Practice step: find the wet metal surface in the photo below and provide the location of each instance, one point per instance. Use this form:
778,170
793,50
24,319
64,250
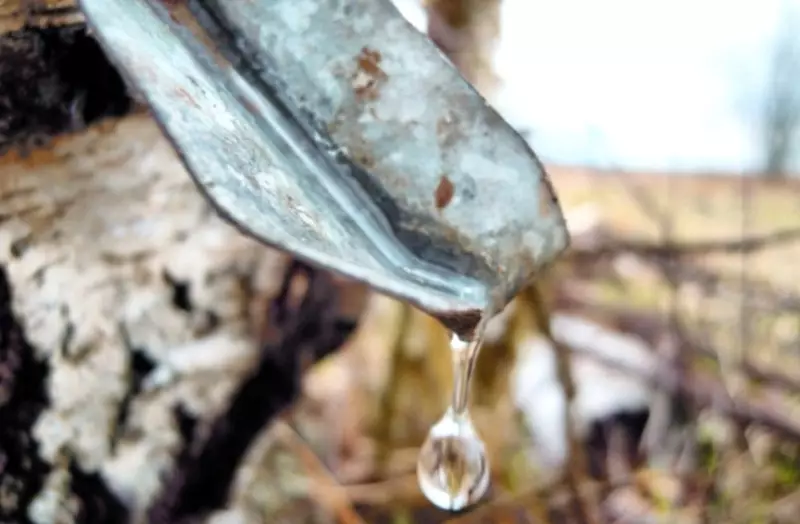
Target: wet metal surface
332,129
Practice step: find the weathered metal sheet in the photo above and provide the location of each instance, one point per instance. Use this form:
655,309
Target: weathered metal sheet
334,130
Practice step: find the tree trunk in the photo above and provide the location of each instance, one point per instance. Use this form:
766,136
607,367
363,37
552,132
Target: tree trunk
53,76
129,311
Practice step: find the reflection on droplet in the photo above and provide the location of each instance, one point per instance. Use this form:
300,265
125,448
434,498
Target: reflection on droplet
452,470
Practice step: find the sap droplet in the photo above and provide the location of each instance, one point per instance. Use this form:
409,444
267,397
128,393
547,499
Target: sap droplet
452,470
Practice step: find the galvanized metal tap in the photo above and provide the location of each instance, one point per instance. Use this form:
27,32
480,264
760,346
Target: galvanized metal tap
334,130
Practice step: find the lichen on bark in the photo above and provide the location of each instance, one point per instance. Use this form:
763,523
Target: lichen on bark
134,295
22,398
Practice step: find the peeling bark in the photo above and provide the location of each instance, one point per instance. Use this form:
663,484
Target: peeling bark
131,380
135,296
308,328
22,399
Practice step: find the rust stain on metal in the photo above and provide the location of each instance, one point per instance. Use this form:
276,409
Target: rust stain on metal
291,203
368,61
442,128
364,159
248,104
444,192
184,95
180,14
449,129
368,75
358,151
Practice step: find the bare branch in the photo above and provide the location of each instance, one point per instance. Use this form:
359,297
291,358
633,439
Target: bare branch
676,249
576,465
649,325
708,393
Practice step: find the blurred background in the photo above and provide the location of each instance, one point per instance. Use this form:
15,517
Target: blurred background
670,330
671,131
656,86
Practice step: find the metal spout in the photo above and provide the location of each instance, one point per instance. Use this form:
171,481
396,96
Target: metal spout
333,130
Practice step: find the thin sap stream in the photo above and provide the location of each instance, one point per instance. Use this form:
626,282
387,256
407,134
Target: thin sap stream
452,469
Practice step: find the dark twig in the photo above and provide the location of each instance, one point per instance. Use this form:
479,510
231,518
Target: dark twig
707,393
677,249
577,465
305,332
763,295
677,407
648,326
634,321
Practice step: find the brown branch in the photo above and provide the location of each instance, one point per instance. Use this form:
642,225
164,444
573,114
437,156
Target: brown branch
577,464
769,298
403,489
676,249
704,391
671,273
707,393
763,295
649,325
331,494
303,333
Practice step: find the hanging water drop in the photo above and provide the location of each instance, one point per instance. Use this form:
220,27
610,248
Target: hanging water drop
452,469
